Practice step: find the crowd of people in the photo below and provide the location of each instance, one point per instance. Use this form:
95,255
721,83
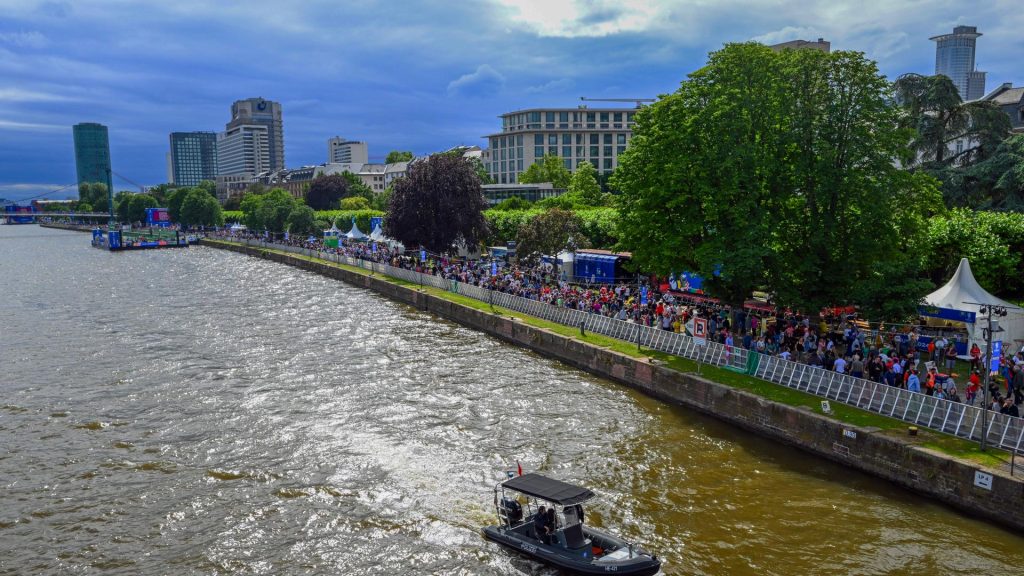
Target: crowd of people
831,342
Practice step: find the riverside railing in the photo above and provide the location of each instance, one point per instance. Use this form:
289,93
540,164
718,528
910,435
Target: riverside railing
958,419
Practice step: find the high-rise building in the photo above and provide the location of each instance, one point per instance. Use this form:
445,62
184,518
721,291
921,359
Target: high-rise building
92,152
595,135
954,58
244,149
820,44
257,111
193,157
342,151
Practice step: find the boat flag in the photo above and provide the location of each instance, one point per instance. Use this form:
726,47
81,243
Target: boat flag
520,467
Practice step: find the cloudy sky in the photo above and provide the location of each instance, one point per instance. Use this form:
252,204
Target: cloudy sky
399,74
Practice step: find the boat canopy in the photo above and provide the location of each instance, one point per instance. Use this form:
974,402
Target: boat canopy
549,489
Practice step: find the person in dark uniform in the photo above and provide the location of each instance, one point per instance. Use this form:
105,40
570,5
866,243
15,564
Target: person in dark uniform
540,524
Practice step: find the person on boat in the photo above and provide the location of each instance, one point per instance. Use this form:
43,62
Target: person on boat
552,523
540,524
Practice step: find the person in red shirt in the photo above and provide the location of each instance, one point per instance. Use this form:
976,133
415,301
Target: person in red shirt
973,386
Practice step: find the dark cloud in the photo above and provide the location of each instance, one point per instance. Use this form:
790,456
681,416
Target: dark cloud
484,82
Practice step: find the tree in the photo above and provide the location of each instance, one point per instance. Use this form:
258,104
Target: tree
995,183
302,220
200,209
940,117
268,211
438,205
775,170
122,201
174,201
355,203
550,168
325,192
480,169
549,233
208,186
137,205
356,187
398,156
583,186
95,194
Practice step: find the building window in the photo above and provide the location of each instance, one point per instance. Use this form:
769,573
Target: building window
608,151
568,164
607,163
552,139
538,151
595,139
538,139
553,150
620,149
620,139
579,151
519,165
566,138
534,116
607,138
566,151
519,140
594,150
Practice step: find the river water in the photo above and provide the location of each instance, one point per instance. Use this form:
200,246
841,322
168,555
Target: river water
202,412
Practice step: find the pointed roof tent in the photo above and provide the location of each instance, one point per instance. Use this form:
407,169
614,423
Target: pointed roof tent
962,288
355,233
377,235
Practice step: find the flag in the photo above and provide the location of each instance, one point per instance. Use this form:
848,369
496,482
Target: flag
423,255
494,268
520,467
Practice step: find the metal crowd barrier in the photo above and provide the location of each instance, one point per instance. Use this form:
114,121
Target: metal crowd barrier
955,418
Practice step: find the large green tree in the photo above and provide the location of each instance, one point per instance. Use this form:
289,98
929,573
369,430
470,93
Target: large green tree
549,233
438,205
268,211
137,205
325,191
302,221
583,187
201,209
940,117
550,168
776,170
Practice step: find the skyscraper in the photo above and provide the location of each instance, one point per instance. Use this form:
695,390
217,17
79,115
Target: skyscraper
260,112
954,58
193,157
342,151
92,152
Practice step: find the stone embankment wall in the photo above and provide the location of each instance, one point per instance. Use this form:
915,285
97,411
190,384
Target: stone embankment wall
920,470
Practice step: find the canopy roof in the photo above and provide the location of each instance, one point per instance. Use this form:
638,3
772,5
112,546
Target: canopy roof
377,234
960,289
355,233
549,489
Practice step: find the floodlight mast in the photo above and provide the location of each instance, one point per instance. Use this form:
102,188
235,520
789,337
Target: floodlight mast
989,310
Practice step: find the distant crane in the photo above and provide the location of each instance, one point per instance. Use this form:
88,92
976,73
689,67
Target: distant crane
639,101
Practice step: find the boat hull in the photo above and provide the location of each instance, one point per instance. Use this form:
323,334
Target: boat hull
576,562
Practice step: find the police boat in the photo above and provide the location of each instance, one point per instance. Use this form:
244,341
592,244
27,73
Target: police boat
563,541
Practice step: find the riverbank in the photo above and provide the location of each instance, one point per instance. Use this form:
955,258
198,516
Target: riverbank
864,441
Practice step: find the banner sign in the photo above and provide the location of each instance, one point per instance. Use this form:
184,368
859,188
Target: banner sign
643,295
423,255
997,353
948,314
700,331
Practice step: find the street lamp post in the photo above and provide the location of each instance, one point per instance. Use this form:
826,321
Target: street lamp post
989,310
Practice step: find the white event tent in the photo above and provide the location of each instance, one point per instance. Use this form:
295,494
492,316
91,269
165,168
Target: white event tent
960,301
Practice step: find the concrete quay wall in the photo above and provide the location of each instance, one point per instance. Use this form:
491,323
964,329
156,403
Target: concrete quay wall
991,494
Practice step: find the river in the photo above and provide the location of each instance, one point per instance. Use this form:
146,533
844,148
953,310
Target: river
202,412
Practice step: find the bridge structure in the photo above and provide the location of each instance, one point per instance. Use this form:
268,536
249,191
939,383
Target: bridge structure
7,217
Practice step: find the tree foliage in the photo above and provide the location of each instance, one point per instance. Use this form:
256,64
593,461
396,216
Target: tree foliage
550,168
137,204
268,211
777,168
438,205
583,187
939,117
513,203
995,183
301,220
398,156
354,203
94,194
549,233
325,192
200,209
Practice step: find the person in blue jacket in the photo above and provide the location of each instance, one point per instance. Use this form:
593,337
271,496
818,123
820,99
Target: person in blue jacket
913,382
